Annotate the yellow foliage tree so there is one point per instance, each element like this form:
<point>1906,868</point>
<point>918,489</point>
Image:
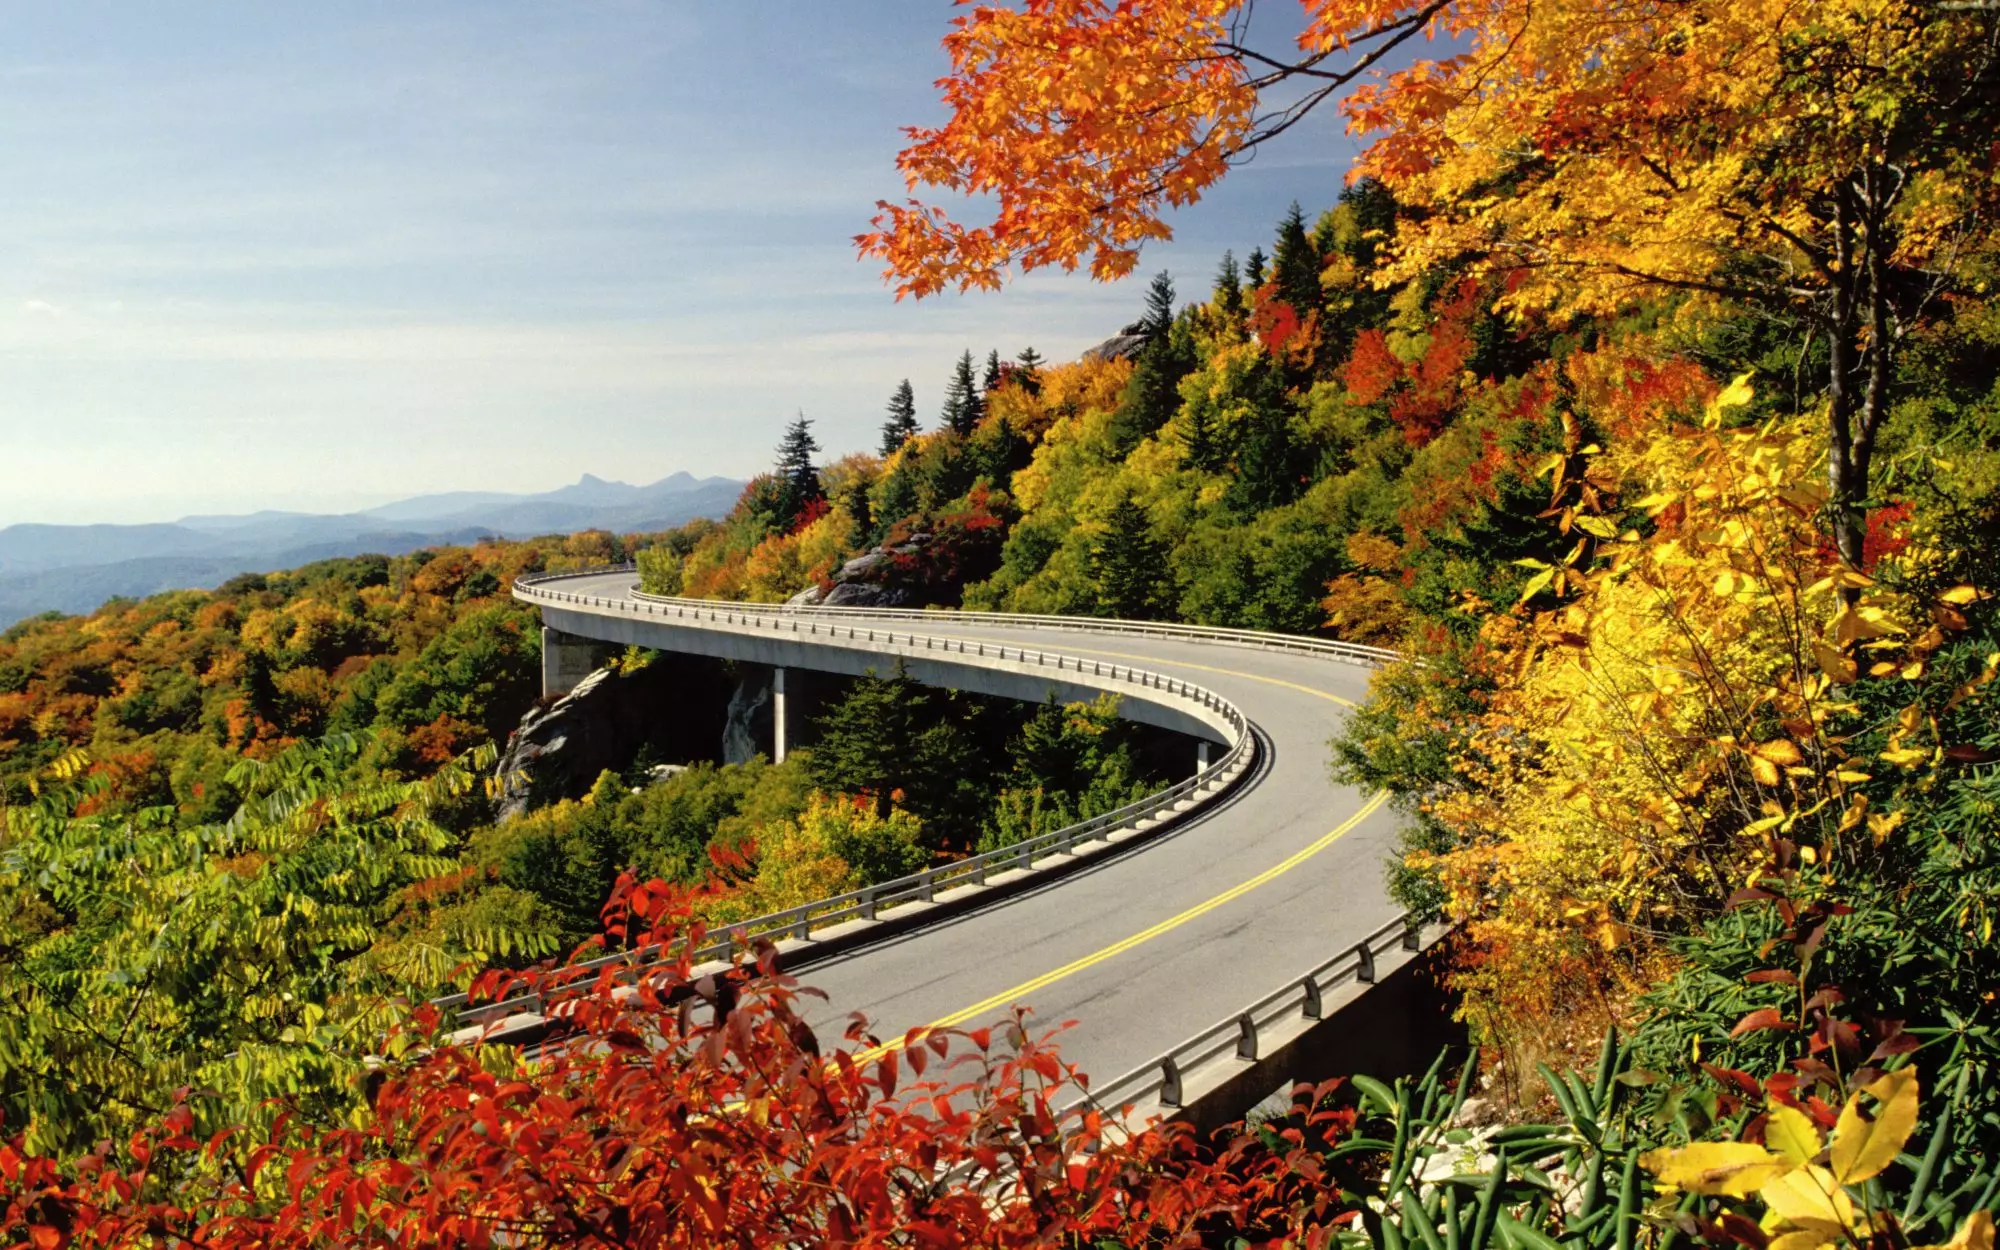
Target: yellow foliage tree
<point>1646,741</point>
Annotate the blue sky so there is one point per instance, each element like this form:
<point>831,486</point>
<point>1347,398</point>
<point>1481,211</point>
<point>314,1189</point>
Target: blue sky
<point>317,256</point>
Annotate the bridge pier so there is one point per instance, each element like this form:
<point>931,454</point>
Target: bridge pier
<point>778,725</point>
<point>566,661</point>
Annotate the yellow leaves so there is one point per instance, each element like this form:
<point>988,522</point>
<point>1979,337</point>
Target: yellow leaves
<point>1856,622</point>
<point>1767,758</point>
<point>1736,395</point>
<point>1806,1203</point>
<point>1959,596</point>
<point>1838,666</point>
<point>1862,1148</point>
<point>1975,1234</point>
<point>1730,1168</point>
<point>1791,1134</point>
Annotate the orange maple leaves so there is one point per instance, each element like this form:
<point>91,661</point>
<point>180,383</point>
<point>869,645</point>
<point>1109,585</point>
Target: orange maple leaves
<point>1083,121</point>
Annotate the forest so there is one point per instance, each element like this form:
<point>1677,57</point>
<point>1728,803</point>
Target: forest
<point>1645,396</point>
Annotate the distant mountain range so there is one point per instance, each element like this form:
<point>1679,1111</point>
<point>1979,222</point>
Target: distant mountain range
<point>74,568</point>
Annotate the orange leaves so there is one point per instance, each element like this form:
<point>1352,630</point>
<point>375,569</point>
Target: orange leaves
<point>1084,121</point>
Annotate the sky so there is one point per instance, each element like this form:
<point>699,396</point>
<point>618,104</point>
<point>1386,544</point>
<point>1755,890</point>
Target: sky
<point>272,254</point>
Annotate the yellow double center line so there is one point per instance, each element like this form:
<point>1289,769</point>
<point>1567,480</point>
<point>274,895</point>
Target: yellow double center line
<point>1014,994</point>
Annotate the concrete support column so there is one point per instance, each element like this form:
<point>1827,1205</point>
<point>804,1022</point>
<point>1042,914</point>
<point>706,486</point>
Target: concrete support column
<point>1202,749</point>
<point>566,661</point>
<point>778,725</point>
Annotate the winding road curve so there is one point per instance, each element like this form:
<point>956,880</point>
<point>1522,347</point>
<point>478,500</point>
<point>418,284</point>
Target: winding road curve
<point>1151,942</point>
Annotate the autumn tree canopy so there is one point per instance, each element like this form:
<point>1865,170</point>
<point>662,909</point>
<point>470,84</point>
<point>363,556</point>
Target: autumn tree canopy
<point>1828,162</point>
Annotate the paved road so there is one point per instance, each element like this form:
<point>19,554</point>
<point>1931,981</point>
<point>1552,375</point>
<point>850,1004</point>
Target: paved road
<point>1168,936</point>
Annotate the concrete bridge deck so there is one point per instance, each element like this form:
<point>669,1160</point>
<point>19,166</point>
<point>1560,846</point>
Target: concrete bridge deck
<point>1146,945</point>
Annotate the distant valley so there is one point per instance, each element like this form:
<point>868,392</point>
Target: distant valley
<point>74,568</point>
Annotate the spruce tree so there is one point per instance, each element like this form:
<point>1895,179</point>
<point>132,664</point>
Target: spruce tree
<point>964,405</point>
<point>905,745</point>
<point>1153,395</point>
<point>1295,267</point>
<point>797,479</point>
<point>1030,371</point>
<point>990,382</point>
<point>902,422</point>
<point>1253,271</point>
<point>1129,564</point>
<point>1229,286</point>
<point>1159,316</point>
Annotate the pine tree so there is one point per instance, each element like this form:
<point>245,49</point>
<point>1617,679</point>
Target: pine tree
<point>1030,371</point>
<point>1295,267</point>
<point>1129,563</point>
<point>1153,395</point>
<point>990,382</point>
<point>964,405</point>
<point>902,422</point>
<point>1253,271</point>
<point>905,744</point>
<point>1229,287</point>
<point>1159,316</point>
<point>1199,450</point>
<point>797,480</point>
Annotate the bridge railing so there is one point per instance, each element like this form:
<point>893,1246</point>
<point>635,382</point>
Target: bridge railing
<point>1241,1034</point>
<point>925,886</point>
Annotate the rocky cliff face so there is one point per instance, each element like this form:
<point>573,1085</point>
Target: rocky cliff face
<point>747,729</point>
<point>675,705</point>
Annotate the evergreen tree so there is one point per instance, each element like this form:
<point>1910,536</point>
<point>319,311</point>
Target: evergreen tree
<point>893,737</point>
<point>902,422</point>
<point>1229,287</point>
<point>1253,271</point>
<point>1159,318</point>
<point>964,404</point>
<point>1295,267</point>
<point>991,381</point>
<point>1268,464</point>
<point>854,498</point>
<point>894,498</point>
<point>1030,371</point>
<point>1200,450</point>
<point>797,479</point>
<point>1153,395</point>
<point>1129,564</point>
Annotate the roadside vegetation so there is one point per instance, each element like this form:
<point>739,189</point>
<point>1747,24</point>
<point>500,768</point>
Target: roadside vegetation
<point>1643,389</point>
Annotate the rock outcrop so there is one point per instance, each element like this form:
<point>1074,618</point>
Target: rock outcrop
<point>672,705</point>
<point>747,728</point>
<point>1124,345</point>
<point>869,580</point>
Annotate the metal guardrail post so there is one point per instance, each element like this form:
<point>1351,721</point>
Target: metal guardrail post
<point>1315,1006</point>
<point>1365,971</point>
<point>1170,1082</point>
<point>1246,1037</point>
<point>1413,937</point>
<point>930,885</point>
<point>868,903</point>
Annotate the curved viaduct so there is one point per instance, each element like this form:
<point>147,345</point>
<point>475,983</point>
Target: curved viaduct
<point>1268,869</point>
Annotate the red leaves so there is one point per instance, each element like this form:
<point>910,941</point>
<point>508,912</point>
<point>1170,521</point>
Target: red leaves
<point>675,1115</point>
<point>1763,1018</point>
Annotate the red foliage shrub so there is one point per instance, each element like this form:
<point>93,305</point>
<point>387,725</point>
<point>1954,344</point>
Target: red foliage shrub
<point>690,1112</point>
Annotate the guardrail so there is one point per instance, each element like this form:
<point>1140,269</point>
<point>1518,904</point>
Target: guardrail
<point>866,903</point>
<point>1304,998</point>
<point>1350,652</point>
